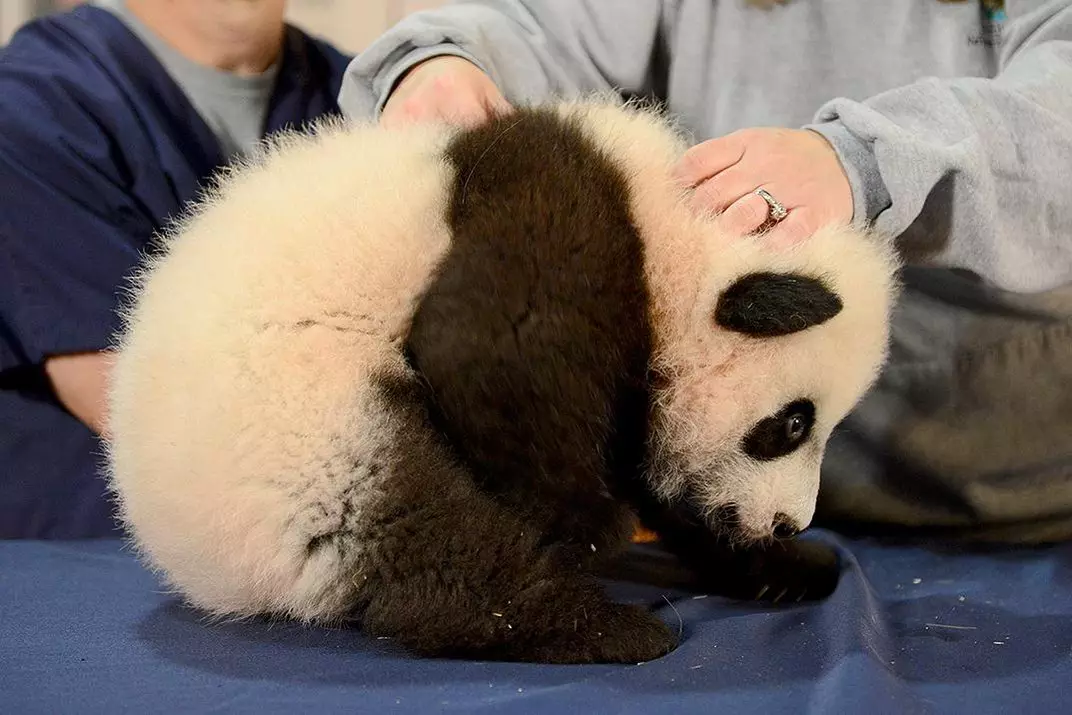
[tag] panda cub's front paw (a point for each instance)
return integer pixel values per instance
(789, 572)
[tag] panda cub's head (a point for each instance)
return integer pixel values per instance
(743, 414)
(759, 350)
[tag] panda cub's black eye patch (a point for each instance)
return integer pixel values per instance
(781, 433)
(767, 305)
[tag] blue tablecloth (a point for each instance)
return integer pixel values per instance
(84, 628)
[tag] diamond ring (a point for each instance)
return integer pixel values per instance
(777, 211)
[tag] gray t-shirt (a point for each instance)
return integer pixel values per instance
(233, 106)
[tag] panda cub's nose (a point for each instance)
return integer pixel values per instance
(784, 527)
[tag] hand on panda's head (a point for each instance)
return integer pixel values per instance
(444, 88)
(798, 168)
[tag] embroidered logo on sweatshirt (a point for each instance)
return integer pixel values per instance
(993, 22)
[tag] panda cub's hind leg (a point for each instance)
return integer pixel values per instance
(448, 571)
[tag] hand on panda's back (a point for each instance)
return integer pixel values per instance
(797, 167)
(445, 88)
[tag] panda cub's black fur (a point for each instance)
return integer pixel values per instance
(532, 344)
(533, 337)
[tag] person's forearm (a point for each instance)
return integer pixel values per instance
(81, 384)
(532, 50)
(972, 173)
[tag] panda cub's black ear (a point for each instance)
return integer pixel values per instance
(767, 305)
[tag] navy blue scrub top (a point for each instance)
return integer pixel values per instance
(99, 148)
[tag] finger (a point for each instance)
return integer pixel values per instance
(720, 191)
(440, 98)
(446, 99)
(467, 98)
(496, 104)
(745, 215)
(465, 114)
(434, 105)
(709, 158)
(458, 101)
(795, 228)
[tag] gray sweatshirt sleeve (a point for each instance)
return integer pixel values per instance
(973, 173)
(531, 50)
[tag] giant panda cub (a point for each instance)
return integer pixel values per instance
(426, 381)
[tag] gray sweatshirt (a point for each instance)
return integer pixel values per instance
(954, 121)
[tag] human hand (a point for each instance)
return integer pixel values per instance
(797, 167)
(444, 88)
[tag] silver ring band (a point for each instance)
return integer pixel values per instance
(777, 211)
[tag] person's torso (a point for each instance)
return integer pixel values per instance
(234, 106)
(734, 64)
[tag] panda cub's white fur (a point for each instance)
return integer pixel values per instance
(240, 393)
(244, 416)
